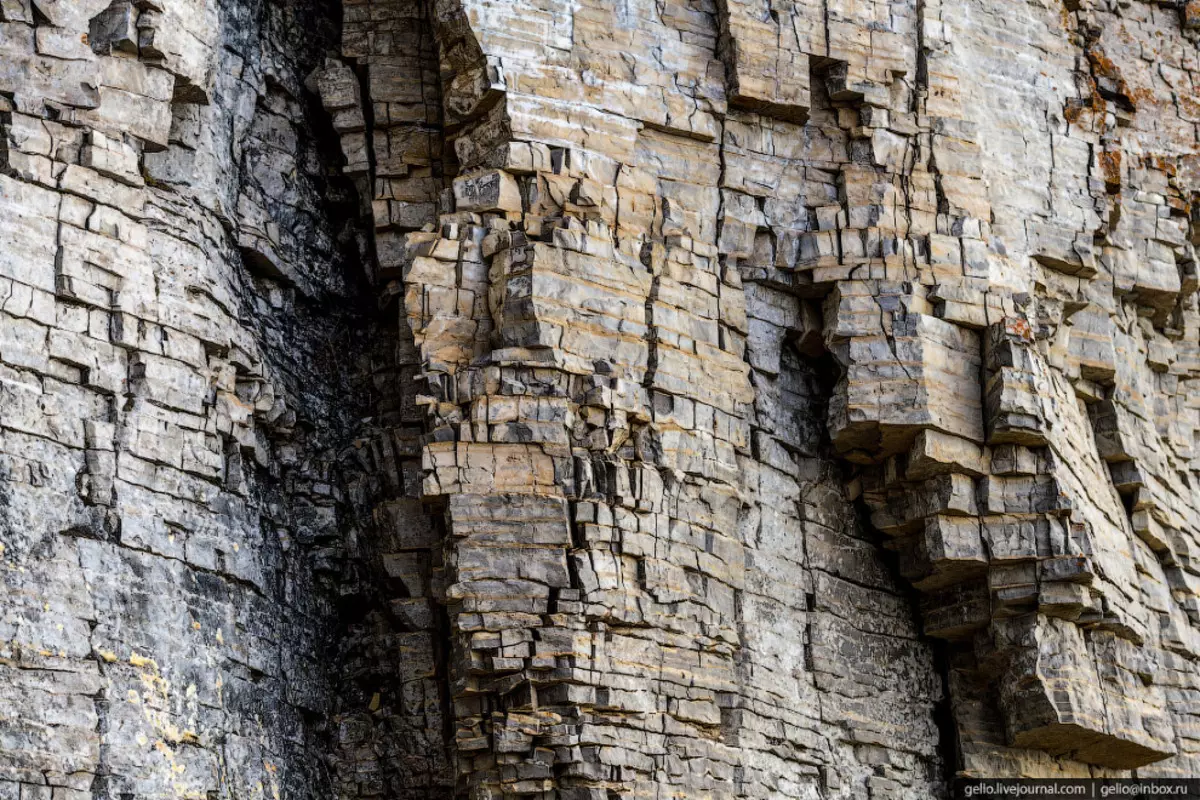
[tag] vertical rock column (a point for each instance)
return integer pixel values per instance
(675, 236)
(171, 416)
(583, 333)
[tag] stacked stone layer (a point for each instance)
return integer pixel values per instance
(725, 297)
(754, 400)
(187, 558)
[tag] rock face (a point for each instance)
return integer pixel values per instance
(586, 398)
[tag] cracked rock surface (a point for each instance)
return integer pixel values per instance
(585, 399)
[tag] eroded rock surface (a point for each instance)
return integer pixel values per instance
(645, 399)
(189, 448)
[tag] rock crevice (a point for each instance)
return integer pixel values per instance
(675, 398)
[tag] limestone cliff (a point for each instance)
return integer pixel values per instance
(588, 399)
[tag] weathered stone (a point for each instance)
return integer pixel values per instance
(541, 441)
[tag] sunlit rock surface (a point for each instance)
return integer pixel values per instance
(586, 399)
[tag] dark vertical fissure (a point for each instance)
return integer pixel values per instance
(393, 721)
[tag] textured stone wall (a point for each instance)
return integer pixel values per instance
(187, 355)
(596, 398)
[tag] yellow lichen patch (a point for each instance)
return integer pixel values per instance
(172, 734)
(138, 660)
(156, 702)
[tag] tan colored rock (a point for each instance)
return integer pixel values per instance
(724, 356)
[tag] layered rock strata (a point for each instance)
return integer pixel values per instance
(189, 579)
(660, 399)
(727, 296)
